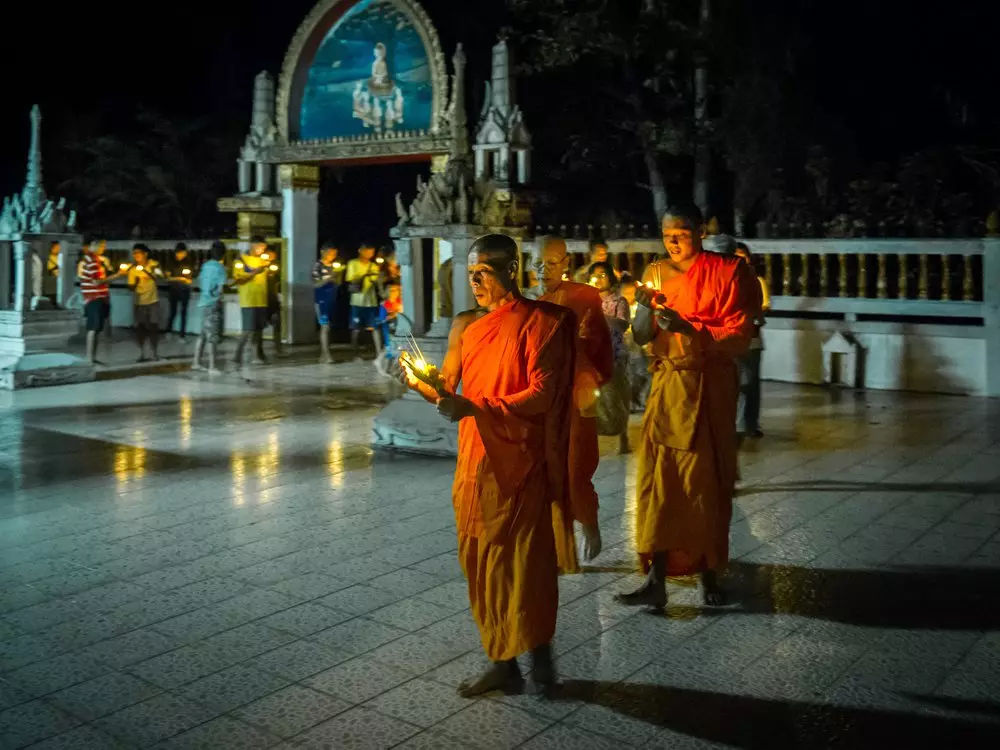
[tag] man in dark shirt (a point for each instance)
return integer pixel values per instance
(179, 273)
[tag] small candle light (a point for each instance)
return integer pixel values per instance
(273, 267)
(123, 267)
(337, 266)
(380, 260)
(239, 266)
(138, 268)
(265, 256)
(186, 272)
(593, 281)
(649, 284)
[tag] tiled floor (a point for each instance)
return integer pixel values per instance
(196, 563)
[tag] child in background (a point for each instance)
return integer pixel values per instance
(389, 310)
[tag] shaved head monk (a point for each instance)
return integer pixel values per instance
(514, 360)
(697, 309)
(594, 367)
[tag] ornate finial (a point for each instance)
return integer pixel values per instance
(33, 195)
(456, 110)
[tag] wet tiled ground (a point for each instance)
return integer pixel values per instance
(196, 563)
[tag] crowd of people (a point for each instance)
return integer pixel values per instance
(525, 377)
(371, 280)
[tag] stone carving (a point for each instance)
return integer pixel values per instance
(31, 211)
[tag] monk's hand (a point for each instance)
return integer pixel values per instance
(455, 407)
(591, 541)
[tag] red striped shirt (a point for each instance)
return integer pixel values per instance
(94, 270)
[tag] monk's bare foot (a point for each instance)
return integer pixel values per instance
(652, 593)
(712, 594)
(504, 675)
(543, 671)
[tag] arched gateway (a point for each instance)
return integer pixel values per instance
(366, 81)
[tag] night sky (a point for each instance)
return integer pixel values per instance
(882, 78)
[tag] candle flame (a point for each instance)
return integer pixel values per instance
(123, 266)
(649, 284)
(593, 281)
(337, 265)
(380, 260)
(239, 266)
(265, 256)
(273, 267)
(138, 268)
(186, 272)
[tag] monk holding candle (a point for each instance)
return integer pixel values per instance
(594, 367)
(514, 360)
(697, 309)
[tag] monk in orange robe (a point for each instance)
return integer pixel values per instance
(697, 309)
(514, 360)
(594, 367)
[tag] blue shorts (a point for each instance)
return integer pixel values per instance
(326, 304)
(364, 318)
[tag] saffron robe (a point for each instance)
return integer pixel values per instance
(687, 451)
(517, 369)
(594, 367)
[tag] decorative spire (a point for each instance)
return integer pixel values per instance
(33, 195)
(456, 111)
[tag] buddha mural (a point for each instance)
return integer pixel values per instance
(378, 102)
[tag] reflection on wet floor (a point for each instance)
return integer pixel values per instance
(219, 563)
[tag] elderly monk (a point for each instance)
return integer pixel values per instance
(514, 360)
(595, 365)
(697, 309)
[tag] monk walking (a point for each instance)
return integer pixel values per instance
(514, 360)
(698, 309)
(594, 367)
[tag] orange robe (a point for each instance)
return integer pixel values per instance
(687, 453)
(516, 367)
(594, 367)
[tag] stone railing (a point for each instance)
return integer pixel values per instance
(924, 313)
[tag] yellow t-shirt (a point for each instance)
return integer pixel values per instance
(143, 282)
(254, 292)
(357, 270)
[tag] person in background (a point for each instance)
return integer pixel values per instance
(616, 312)
(445, 296)
(638, 365)
(50, 278)
(250, 276)
(598, 254)
(327, 276)
(748, 410)
(594, 365)
(273, 277)
(211, 287)
(391, 270)
(143, 275)
(179, 275)
(363, 274)
(392, 306)
(94, 272)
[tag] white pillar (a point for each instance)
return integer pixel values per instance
(264, 172)
(461, 291)
(244, 175)
(409, 255)
(6, 249)
(481, 172)
(299, 227)
(69, 253)
(523, 167)
(503, 168)
(991, 313)
(22, 275)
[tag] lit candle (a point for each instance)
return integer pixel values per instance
(649, 284)
(273, 267)
(186, 272)
(337, 266)
(593, 281)
(138, 268)
(123, 267)
(380, 260)
(239, 266)
(265, 256)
